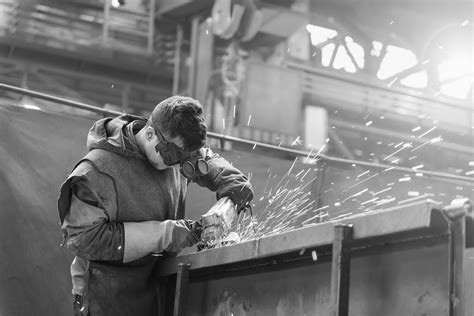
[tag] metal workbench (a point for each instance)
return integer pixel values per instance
(261, 277)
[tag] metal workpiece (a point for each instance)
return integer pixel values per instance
(407, 260)
(410, 217)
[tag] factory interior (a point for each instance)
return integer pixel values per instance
(351, 120)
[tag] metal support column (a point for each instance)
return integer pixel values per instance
(193, 56)
(342, 148)
(177, 58)
(457, 241)
(204, 63)
(24, 78)
(105, 26)
(341, 268)
(456, 213)
(181, 292)
(151, 28)
(125, 98)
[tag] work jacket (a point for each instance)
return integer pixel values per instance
(113, 184)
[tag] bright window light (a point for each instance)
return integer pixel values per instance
(327, 52)
(457, 89)
(376, 48)
(457, 67)
(115, 3)
(343, 61)
(454, 68)
(356, 50)
(320, 34)
(395, 61)
(416, 80)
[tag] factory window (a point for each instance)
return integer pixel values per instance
(356, 50)
(346, 54)
(416, 80)
(320, 34)
(327, 52)
(343, 61)
(349, 55)
(456, 77)
(376, 48)
(396, 60)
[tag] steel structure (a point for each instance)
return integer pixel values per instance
(420, 226)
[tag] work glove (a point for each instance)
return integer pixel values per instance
(177, 235)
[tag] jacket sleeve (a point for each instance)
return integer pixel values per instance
(88, 231)
(225, 180)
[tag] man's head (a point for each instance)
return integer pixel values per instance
(176, 124)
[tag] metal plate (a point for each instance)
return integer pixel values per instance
(382, 223)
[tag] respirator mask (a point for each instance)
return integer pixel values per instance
(191, 163)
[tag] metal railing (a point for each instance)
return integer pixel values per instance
(252, 144)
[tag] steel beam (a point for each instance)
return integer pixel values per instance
(350, 126)
(457, 240)
(456, 213)
(341, 270)
(181, 292)
(402, 219)
(374, 85)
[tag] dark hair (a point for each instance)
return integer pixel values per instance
(181, 116)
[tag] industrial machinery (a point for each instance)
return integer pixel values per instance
(414, 259)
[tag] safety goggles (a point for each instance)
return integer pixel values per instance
(191, 163)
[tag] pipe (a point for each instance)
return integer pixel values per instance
(335, 159)
(224, 138)
(47, 97)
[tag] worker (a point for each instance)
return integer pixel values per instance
(124, 203)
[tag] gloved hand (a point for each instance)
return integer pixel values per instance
(178, 234)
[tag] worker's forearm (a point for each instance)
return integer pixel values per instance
(140, 239)
(226, 180)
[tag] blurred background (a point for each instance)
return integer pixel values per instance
(365, 104)
(366, 74)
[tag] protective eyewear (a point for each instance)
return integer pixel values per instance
(192, 163)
